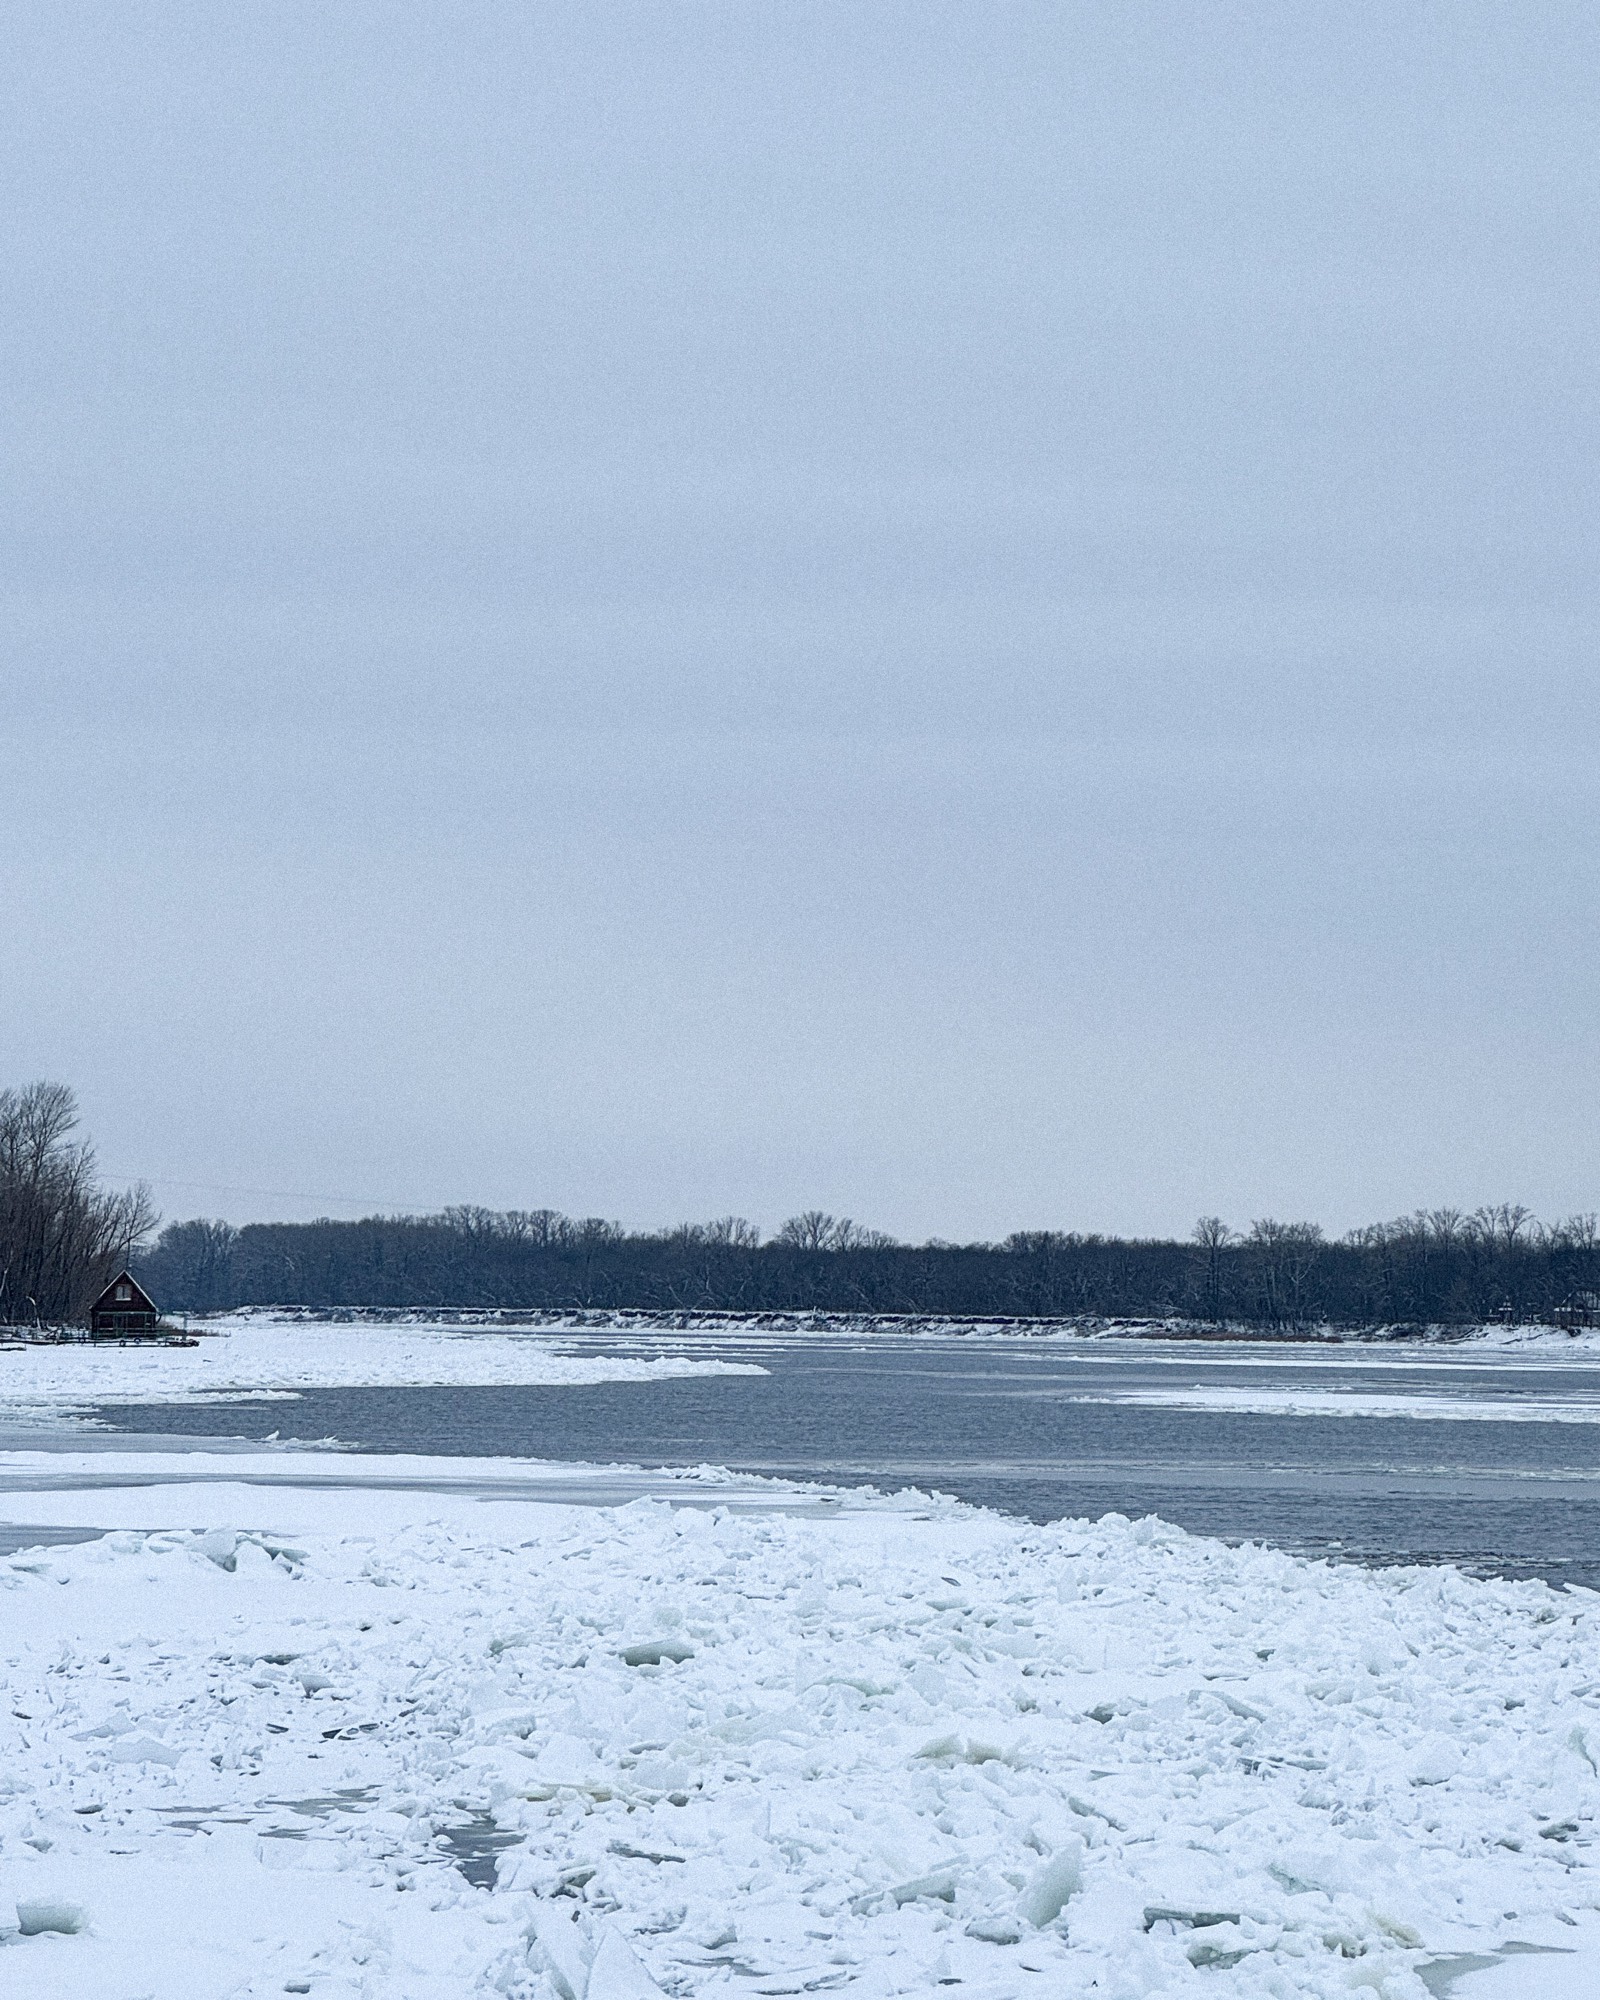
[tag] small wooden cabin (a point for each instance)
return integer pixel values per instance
(123, 1311)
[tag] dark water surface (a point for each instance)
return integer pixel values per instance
(1500, 1486)
(14, 1538)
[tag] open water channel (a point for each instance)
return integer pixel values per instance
(1369, 1453)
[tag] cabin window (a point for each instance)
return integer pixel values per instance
(123, 1292)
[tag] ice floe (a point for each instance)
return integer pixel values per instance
(1517, 1405)
(261, 1355)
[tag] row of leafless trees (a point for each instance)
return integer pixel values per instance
(1438, 1267)
(62, 1236)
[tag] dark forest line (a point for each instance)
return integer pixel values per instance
(1439, 1267)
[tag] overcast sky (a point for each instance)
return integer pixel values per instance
(976, 616)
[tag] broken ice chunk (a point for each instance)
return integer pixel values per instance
(1058, 1877)
(38, 1914)
(1436, 1761)
(995, 1930)
(616, 1973)
(962, 1750)
(565, 1760)
(581, 1967)
(142, 1750)
(940, 1886)
(561, 1946)
(652, 1652)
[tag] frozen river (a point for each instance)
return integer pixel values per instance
(1488, 1459)
(780, 1740)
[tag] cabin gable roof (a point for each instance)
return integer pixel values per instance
(138, 1299)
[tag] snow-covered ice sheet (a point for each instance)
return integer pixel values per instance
(1536, 1339)
(289, 1488)
(1517, 1406)
(259, 1355)
(1564, 1967)
(1436, 1343)
(909, 1748)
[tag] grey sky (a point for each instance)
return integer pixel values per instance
(977, 616)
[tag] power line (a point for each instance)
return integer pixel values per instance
(276, 1194)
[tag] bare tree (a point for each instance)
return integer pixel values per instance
(1446, 1226)
(734, 1232)
(811, 1231)
(1213, 1236)
(542, 1226)
(62, 1236)
(1502, 1227)
(475, 1223)
(1286, 1253)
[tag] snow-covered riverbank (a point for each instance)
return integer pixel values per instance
(261, 1355)
(905, 1745)
(1533, 1338)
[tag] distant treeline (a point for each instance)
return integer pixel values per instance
(1438, 1267)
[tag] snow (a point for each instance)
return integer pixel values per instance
(1539, 1340)
(1433, 1342)
(261, 1355)
(891, 1746)
(219, 1491)
(1517, 1405)
(1551, 1973)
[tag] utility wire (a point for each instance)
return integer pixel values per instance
(373, 1202)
